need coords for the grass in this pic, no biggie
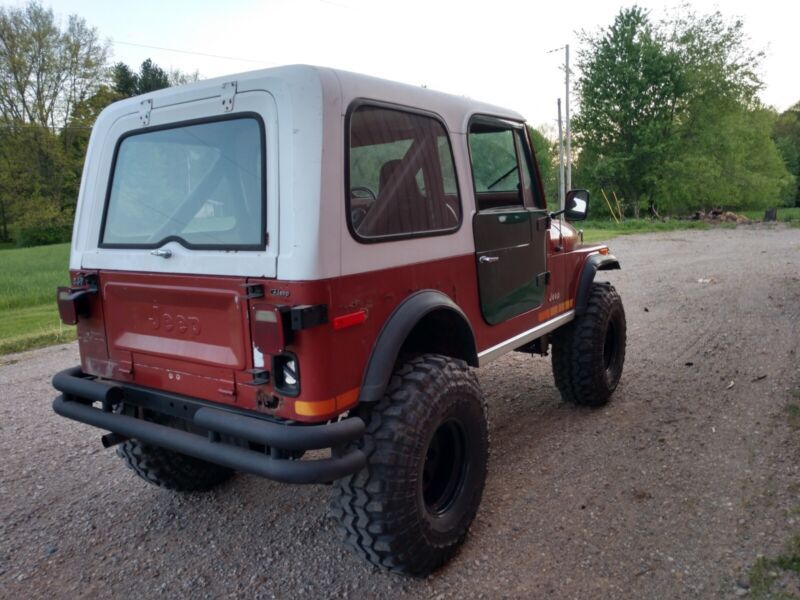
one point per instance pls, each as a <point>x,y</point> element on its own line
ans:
<point>785,214</point>
<point>793,415</point>
<point>600,230</point>
<point>766,572</point>
<point>603,229</point>
<point>29,276</point>
<point>28,313</point>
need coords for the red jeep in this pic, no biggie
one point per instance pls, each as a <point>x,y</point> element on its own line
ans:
<point>301,259</point>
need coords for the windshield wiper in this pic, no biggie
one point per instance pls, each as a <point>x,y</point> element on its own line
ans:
<point>503,176</point>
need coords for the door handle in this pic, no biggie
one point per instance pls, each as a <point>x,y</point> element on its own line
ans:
<point>489,259</point>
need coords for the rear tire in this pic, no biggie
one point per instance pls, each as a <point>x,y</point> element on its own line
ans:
<point>427,448</point>
<point>589,352</point>
<point>172,470</point>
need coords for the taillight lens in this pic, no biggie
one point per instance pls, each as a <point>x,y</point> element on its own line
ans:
<point>271,328</point>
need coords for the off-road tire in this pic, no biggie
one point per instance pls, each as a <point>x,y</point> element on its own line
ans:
<point>589,352</point>
<point>395,513</point>
<point>172,470</point>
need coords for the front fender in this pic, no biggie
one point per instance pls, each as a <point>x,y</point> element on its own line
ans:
<point>593,264</point>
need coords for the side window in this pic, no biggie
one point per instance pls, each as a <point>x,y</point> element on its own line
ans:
<point>501,165</point>
<point>401,175</point>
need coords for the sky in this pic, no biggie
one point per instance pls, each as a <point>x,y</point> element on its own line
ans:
<point>498,51</point>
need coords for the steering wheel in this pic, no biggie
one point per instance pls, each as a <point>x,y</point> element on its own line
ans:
<point>363,188</point>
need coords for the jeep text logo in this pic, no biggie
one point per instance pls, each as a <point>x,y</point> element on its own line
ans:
<point>179,324</point>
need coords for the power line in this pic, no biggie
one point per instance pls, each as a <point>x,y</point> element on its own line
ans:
<point>250,60</point>
<point>41,127</point>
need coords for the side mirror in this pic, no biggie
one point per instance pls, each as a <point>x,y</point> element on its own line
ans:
<point>577,203</point>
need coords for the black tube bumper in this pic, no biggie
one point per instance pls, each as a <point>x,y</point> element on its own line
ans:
<point>80,391</point>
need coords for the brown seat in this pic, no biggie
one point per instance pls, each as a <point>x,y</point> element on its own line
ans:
<point>400,206</point>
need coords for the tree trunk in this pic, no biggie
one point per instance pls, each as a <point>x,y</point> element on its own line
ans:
<point>3,222</point>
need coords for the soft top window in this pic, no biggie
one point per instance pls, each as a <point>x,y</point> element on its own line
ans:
<point>200,184</point>
<point>402,180</point>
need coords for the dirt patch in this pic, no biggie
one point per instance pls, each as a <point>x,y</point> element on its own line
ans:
<point>673,490</point>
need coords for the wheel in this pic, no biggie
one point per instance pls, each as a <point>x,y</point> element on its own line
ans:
<point>427,448</point>
<point>172,470</point>
<point>589,352</point>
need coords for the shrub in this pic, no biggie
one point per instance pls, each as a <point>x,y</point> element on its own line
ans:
<point>43,224</point>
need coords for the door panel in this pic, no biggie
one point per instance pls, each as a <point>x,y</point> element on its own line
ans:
<point>511,261</point>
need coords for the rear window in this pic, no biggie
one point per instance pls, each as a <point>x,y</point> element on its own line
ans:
<point>199,184</point>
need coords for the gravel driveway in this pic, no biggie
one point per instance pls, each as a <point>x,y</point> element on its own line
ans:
<point>673,490</point>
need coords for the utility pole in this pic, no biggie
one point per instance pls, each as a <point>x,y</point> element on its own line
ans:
<point>561,190</point>
<point>569,133</point>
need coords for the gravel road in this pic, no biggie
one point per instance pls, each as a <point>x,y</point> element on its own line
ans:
<point>672,490</point>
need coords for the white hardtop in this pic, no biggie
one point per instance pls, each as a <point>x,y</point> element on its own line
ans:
<point>303,109</point>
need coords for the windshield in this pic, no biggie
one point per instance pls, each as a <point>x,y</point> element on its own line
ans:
<point>201,185</point>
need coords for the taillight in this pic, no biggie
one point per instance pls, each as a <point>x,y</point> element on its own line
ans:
<point>271,328</point>
<point>286,374</point>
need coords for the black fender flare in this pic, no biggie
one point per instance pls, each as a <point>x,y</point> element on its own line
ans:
<point>593,264</point>
<point>396,330</point>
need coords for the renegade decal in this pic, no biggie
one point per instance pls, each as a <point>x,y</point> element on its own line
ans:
<point>548,313</point>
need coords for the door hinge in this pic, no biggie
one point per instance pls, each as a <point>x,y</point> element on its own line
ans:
<point>543,224</point>
<point>228,94</point>
<point>145,106</point>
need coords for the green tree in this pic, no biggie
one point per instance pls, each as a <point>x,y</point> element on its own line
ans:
<point>32,176</point>
<point>787,139</point>
<point>670,117</point>
<point>628,94</point>
<point>127,83</point>
<point>151,78</point>
<point>45,69</point>
<point>545,150</point>
<point>124,81</point>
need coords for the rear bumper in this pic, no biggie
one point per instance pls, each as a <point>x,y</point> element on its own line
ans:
<point>80,392</point>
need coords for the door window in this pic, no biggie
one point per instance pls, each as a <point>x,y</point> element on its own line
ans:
<point>502,166</point>
<point>495,165</point>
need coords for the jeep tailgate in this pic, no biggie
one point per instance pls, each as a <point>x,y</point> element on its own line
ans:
<point>185,334</point>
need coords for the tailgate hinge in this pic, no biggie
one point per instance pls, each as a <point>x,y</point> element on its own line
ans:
<point>260,377</point>
<point>145,106</point>
<point>228,94</point>
<point>253,291</point>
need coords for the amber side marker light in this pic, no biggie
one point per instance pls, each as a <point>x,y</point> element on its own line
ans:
<point>603,250</point>
<point>349,320</point>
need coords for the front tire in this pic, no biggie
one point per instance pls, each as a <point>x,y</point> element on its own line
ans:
<point>589,352</point>
<point>427,449</point>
